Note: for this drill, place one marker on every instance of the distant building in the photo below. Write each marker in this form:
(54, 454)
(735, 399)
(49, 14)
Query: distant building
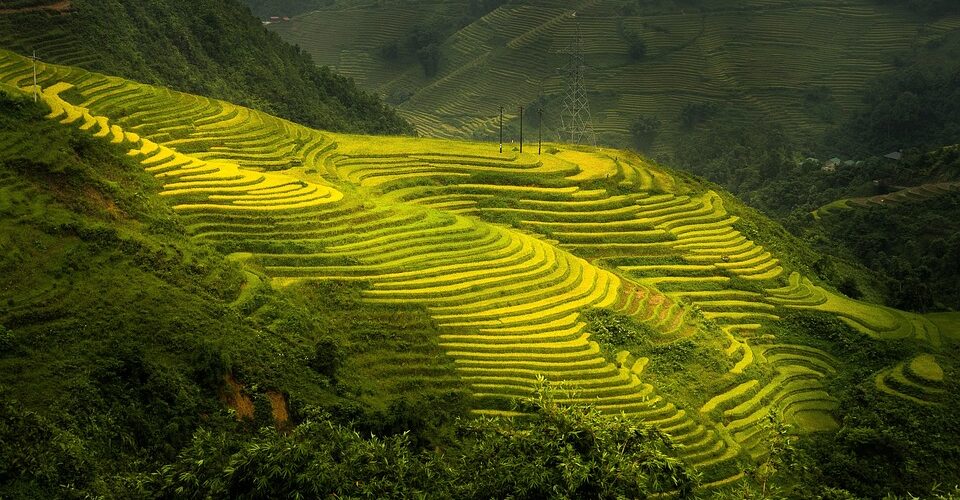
(896, 155)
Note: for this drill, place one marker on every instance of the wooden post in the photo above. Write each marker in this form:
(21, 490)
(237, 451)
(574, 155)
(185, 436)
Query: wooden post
(521, 129)
(539, 130)
(34, 75)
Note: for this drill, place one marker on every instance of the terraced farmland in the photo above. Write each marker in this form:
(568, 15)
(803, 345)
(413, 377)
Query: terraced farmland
(506, 252)
(905, 195)
(919, 380)
(763, 57)
(56, 43)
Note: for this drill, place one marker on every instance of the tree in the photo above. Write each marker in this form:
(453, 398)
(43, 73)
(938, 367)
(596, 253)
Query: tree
(390, 52)
(637, 49)
(429, 58)
(571, 452)
(7, 341)
(327, 358)
(557, 451)
(694, 114)
(644, 130)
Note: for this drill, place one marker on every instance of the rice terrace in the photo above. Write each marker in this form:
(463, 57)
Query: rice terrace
(231, 272)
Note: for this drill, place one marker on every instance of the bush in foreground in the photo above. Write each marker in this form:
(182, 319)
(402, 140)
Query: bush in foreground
(555, 452)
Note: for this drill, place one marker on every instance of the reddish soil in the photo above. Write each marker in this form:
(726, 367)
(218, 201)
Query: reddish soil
(234, 397)
(105, 203)
(281, 412)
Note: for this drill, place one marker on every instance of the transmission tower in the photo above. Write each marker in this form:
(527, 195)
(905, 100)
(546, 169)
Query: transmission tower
(575, 123)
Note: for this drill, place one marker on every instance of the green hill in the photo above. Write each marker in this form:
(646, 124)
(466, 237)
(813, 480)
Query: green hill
(444, 271)
(799, 65)
(208, 47)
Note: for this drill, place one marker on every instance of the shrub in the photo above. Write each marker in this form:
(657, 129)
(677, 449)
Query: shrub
(644, 130)
(7, 341)
(327, 358)
(694, 114)
(39, 460)
(429, 58)
(557, 452)
(390, 51)
(609, 328)
(637, 49)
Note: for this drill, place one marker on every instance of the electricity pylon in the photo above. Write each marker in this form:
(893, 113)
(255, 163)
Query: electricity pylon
(575, 123)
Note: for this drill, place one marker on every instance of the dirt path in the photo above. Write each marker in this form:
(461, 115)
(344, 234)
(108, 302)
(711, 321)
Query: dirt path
(61, 7)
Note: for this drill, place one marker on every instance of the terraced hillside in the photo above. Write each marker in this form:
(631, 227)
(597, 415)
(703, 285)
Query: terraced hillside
(55, 43)
(906, 195)
(510, 254)
(794, 63)
(173, 44)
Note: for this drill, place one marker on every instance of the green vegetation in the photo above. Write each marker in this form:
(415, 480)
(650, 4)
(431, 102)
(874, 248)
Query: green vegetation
(265, 9)
(913, 107)
(920, 262)
(375, 279)
(212, 48)
(909, 109)
(752, 98)
(100, 379)
(881, 439)
(800, 66)
(927, 7)
(644, 131)
(556, 452)
(902, 212)
(100, 376)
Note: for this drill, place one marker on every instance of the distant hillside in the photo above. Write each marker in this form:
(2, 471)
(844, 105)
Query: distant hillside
(265, 9)
(911, 236)
(801, 65)
(210, 47)
(906, 228)
(915, 106)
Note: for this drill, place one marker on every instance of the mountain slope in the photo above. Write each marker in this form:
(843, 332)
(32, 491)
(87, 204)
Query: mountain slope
(209, 47)
(117, 330)
(800, 65)
(525, 263)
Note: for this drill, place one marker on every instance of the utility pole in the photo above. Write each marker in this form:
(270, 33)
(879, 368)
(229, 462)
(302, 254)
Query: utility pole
(34, 57)
(521, 129)
(501, 129)
(539, 130)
